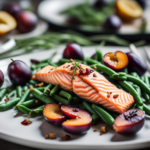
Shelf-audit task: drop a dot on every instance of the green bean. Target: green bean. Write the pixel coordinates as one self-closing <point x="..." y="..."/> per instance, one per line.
<point x="139" y="107"/>
<point x="139" y="82"/>
<point x="95" y="119"/>
<point x="31" y="96"/>
<point x="63" y="60"/>
<point x="41" y="65"/>
<point x="66" y="95"/>
<point x="2" y="93"/>
<point x="146" y="96"/>
<point x="82" y="107"/>
<point x="23" y="97"/>
<point x="24" y="109"/>
<point x="116" y="77"/>
<point x="125" y="70"/>
<point x="41" y="88"/>
<point x="137" y="88"/>
<point x="142" y="78"/>
<point x="33" y="82"/>
<point x="9" y="104"/>
<point x="52" y="64"/>
<point x="36" y="112"/>
<point x="104" y="69"/>
<point x="133" y="106"/>
<point x="146" y="109"/>
<point x="75" y="100"/>
<point x="54" y="90"/>
<point x="60" y="99"/>
<point x="146" y="80"/>
<point x="121" y="73"/>
<point x="11" y="94"/>
<point x="88" y="107"/>
<point x="135" y="74"/>
<point x="44" y="60"/>
<point x="49" y="86"/>
<point x="31" y="103"/>
<point x="25" y="88"/>
<point x="129" y="88"/>
<point x="99" y="56"/>
<point x="91" y="61"/>
<point x="104" y="115"/>
<point x="35" y="71"/>
<point x="39" y="95"/>
<point x="19" y="91"/>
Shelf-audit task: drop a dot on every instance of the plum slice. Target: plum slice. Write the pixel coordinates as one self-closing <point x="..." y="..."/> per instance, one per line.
<point x="116" y="61"/>
<point x="79" y="122"/>
<point x="53" y="115"/>
<point x="129" y="122"/>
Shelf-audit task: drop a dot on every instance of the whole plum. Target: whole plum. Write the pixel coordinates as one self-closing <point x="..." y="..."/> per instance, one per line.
<point x="26" y="21"/>
<point x="1" y="78"/>
<point x="136" y="64"/>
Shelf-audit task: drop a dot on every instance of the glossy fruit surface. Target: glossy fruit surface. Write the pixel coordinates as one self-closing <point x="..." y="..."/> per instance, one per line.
<point x="128" y="9"/>
<point x="19" y="72"/>
<point x="142" y="3"/>
<point x="7" y="22"/>
<point x="136" y="64"/>
<point x="79" y="122"/>
<point x="12" y="9"/>
<point x="73" y="51"/>
<point x="129" y="122"/>
<point x="34" y="61"/>
<point x="100" y="3"/>
<point x="112" y="22"/>
<point x="1" y="78"/>
<point x="53" y="115"/>
<point x="26" y="21"/>
<point x="116" y="61"/>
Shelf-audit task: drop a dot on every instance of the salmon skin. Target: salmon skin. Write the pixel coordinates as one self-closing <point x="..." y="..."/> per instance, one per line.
<point x="93" y="86"/>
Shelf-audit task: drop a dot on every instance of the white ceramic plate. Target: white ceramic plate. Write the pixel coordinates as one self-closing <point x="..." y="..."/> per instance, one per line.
<point x="33" y="135"/>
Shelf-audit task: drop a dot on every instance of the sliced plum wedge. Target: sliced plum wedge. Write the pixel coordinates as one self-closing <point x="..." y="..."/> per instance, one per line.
<point x="129" y="122"/>
<point x="79" y="121"/>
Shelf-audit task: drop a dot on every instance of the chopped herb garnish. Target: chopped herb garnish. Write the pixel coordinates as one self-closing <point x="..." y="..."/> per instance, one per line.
<point x="76" y="64"/>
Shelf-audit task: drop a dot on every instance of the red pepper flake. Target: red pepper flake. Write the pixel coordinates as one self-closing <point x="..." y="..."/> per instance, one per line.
<point x="87" y="71"/>
<point x="109" y="94"/>
<point x="7" y="99"/>
<point x="115" y="96"/>
<point x="72" y="67"/>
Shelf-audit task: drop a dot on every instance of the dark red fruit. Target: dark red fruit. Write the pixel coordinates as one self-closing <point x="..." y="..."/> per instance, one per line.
<point x="26" y="21"/>
<point x="53" y="115"/>
<point x="1" y="78"/>
<point x="129" y="122"/>
<point x="87" y="71"/>
<point x="79" y="122"/>
<point x="100" y="3"/>
<point x="73" y="51"/>
<point x="19" y="72"/>
<point x="12" y="9"/>
<point x="136" y="64"/>
<point x="112" y="23"/>
<point x="34" y="61"/>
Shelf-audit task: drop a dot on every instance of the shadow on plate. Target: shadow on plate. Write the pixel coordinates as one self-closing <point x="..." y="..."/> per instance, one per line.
<point x="47" y="128"/>
<point x="120" y="138"/>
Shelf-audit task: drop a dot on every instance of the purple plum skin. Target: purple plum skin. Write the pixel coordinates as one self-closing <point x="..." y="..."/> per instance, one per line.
<point x="19" y="72"/>
<point x="100" y="3"/>
<point x="82" y="129"/>
<point x="142" y="3"/>
<point x="12" y="9"/>
<point x="1" y="78"/>
<point x="113" y="23"/>
<point x="136" y="64"/>
<point x="26" y="21"/>
<point x="73" y="51"/>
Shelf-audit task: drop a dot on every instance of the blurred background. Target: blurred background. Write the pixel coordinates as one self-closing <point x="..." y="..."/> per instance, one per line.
<point x="39" y="24"/>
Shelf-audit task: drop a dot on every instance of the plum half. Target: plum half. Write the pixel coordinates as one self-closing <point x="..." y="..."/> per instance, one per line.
<point x="116" y="61"/>
<point x="129" y="122"/>
<point x="53" y="115"/>
<point x="79" y="122"/>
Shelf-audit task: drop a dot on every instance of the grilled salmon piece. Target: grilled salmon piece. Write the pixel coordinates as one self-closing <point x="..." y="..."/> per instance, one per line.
<point x="93" y="87"/>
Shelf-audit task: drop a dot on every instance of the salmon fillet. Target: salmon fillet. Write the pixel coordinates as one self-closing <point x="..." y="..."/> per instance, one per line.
<point x="93" y="87"/>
